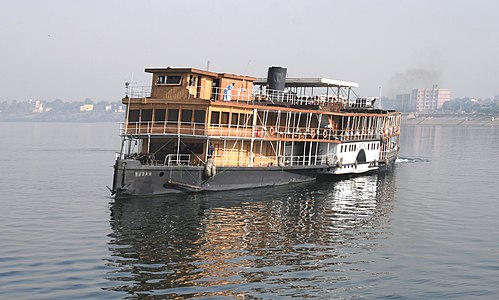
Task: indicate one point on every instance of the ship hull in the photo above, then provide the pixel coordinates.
(384, 166)
(131, 178)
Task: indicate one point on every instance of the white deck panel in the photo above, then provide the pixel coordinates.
(311, 82)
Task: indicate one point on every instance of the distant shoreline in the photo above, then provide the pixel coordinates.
(451, 120)
(64, 118)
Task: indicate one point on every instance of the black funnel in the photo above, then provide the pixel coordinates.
(276, 78)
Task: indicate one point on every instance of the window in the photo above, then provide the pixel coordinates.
(174, 80)
(159, 115)
(225, 118)
(199, 116)
(146, 115)
(215, 118)
(235, 119)
(133, 115)
(244, 119)
(172, 115)
(186, 116)
(192, 81)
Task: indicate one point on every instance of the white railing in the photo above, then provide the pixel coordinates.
(258, 95)
(267, 161)
(227, 160)
(256, 132)
(243, 95)
(138, 91)
(177, 159)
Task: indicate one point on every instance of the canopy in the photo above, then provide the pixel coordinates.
(311, 82)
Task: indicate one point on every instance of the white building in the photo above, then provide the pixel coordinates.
(87, 107)
(38, 106)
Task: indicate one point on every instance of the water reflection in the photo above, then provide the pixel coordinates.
(293, 241)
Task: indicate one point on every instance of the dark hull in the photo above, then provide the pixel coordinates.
(133, 179)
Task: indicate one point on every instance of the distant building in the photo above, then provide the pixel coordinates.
(430, 99)
(87, 107)
(38, 107)
(404, 103)
(119, 109)
(114, 108)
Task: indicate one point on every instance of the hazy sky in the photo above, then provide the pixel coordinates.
(71, 50)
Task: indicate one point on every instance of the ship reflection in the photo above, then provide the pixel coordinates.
(249, 243)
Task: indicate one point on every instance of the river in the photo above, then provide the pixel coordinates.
(428, 229)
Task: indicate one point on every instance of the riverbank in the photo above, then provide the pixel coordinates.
(461, 120)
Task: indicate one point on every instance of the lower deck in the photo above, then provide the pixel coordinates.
(139, 175)
(134, 179)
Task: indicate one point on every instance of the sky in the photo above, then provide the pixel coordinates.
(72, 50)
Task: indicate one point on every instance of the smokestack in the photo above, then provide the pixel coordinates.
(276, 81)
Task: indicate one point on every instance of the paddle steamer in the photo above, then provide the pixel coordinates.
(195, 130)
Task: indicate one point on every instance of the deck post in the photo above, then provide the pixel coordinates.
(250, 163)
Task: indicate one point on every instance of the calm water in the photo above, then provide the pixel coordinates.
(430, 229)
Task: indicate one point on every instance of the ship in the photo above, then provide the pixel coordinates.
(195, 130)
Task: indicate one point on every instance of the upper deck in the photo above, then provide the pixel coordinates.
(180, 84)
(200, 104)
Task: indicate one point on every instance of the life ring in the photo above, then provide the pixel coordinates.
(258, 133)
(209, 168)
(271, 131)
(324, 133)
(331, 160)
(312, 133)
(339, 163)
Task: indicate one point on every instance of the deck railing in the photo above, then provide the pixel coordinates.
(138, 91)
(177, 159)
(249, 96)
(256, 132)
(230, 161)
(269, 161)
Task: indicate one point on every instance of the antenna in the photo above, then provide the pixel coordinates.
(380, 98)
(127, 85)
(127, 114)
(207, 65)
